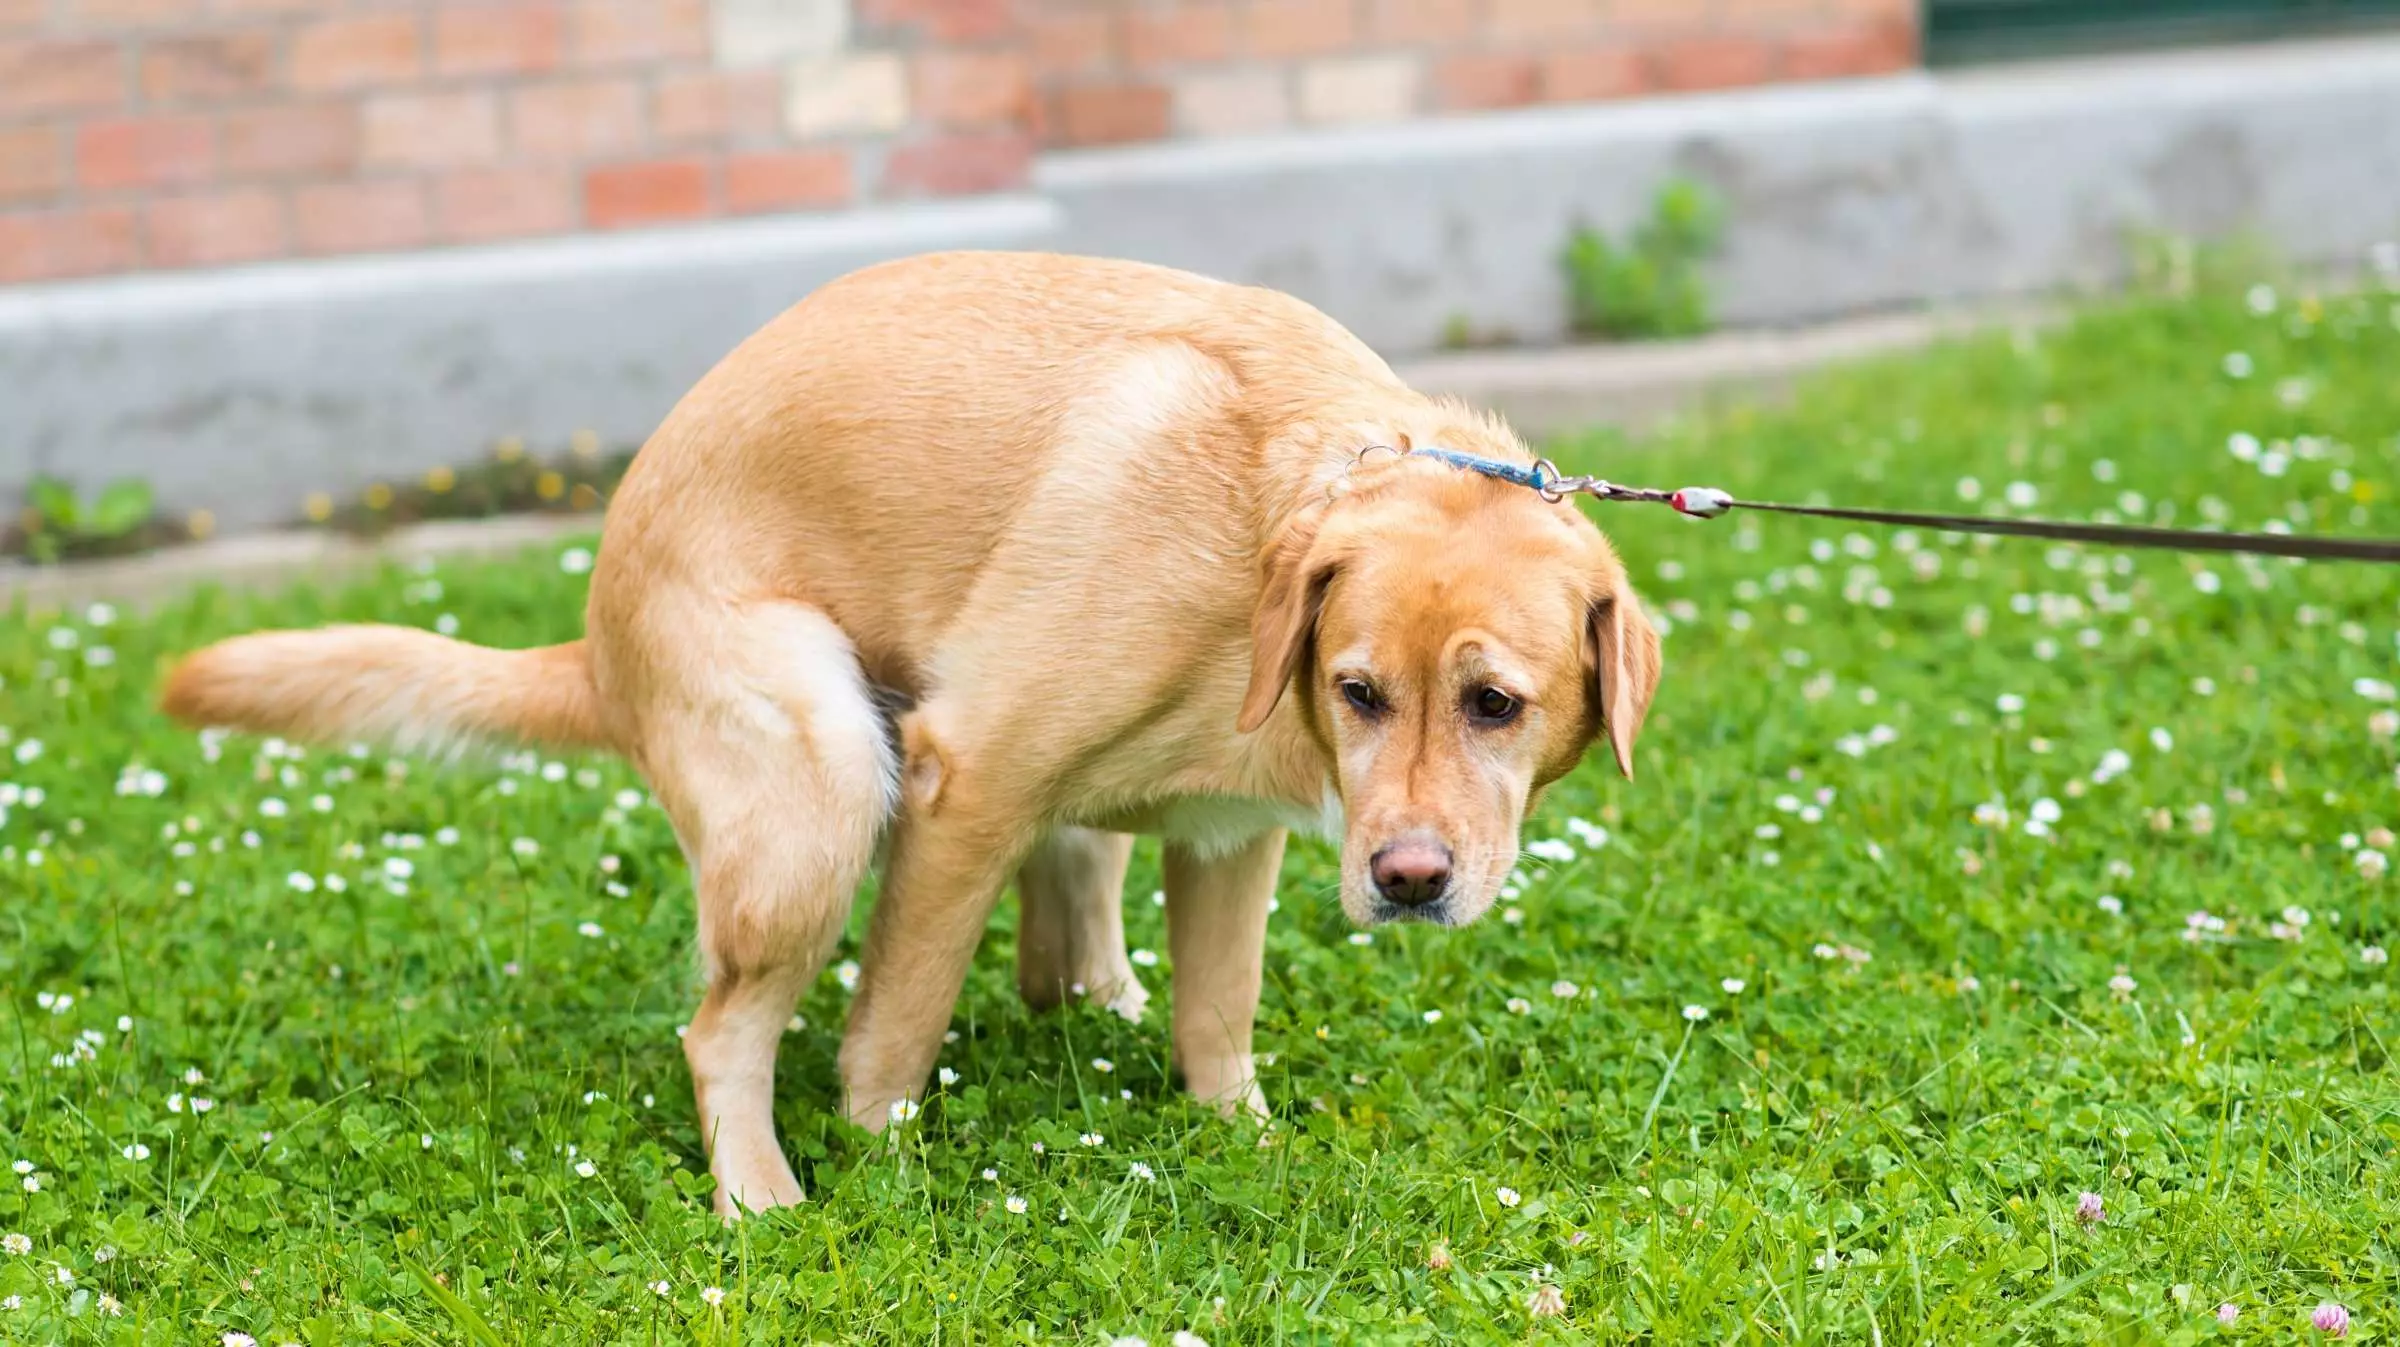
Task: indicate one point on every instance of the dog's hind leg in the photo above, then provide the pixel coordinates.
(1071, 922)
(773, 761)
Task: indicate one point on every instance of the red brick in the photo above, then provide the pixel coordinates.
(361, 217)
(37, 77)
(1486, 80)
(86, 15)
(496, 203)
(1422, 21)
(577, 120)
(1902, 13)
(946, 20)
(955, 87)
(637, 32)
(144, 152)
(1184, 34)
(717, 107)
(785, 181)
(213, 230)
(278, 6)
(1872, 49)
(33, 163)
(208, 68)
(364, 52)
(51, 245)
(1757, 15)
(622, 195)
(1714, 63)
(1108, 114)
(506, 39)
(1515, 20)
(290, 140)
(959, 165)
(1584, 74)
(1077, 42)
(430, 130)
(1276, 28)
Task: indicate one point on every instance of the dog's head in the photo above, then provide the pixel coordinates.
(1455, 644)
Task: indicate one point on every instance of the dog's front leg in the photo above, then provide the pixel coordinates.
(1217, 933)
(946, 868)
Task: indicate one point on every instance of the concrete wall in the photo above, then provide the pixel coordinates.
(242, 390)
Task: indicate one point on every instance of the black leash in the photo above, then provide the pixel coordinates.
(1706, 502)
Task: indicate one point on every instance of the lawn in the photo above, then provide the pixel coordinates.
(1963, 879)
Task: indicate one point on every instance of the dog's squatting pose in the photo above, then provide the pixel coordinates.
(989, 561)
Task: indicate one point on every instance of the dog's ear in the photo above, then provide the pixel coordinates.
(1624, 668)
(1298, 570)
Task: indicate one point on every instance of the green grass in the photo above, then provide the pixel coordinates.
(1885, 1144)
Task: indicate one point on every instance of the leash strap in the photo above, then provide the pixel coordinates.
(1704, 502)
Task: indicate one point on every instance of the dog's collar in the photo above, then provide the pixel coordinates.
(1541, 475)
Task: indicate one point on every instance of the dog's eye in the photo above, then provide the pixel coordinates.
(1492, 706)
(1362, 696)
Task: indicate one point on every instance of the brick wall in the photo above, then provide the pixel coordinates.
(181, 133)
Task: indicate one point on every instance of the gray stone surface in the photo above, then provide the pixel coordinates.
(244, 390)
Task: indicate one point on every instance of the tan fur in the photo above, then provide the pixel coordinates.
(992, 559)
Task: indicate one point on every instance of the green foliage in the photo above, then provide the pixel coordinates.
(1884, 1144)
(58, 523)
(1653, 286)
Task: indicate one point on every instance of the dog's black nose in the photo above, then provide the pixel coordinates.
(1411, 873)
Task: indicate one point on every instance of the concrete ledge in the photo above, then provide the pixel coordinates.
(242, 391)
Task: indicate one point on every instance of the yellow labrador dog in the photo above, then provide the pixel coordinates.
(988, 561)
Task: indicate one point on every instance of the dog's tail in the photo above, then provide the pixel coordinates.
(397, 686)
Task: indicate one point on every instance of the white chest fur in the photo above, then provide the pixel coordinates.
(1214, 825)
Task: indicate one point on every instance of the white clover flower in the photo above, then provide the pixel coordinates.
(1518, 1005)
(586, 1169)
(714, 1295)
(1733, 986)
(1695, 1013)
(1565, 990)
(15, 1243)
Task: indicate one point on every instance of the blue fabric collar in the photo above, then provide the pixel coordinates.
(1520, 474)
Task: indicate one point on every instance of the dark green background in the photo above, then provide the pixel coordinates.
(1965, 30)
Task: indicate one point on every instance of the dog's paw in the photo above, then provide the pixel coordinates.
(1227, 1084)
(1129, 999)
